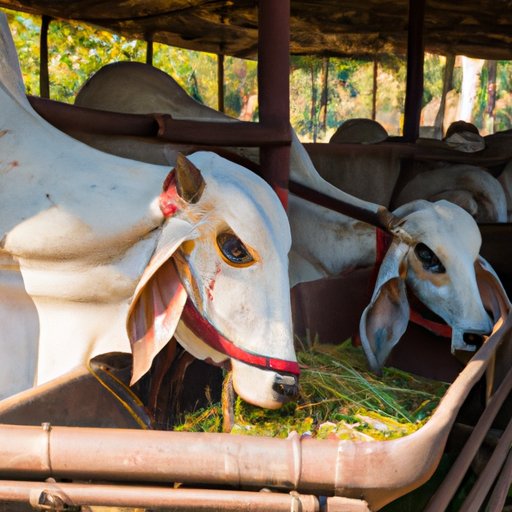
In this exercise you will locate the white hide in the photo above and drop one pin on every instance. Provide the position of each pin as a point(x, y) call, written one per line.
point(505, 178)
point(82, 225)
point(146, 89)
point(469, 186)
point(326, 243)
point(454, 238)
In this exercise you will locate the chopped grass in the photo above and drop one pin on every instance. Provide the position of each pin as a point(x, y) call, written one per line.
point(339, 398)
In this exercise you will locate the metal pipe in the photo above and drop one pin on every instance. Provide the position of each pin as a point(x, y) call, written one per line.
point(415, 57)
point(44, 78)
point(347, 468)
point(149, 50)
point(220, 82)
point(200, 500)
point(274, 89)
point(69, 117)
point(501, 489)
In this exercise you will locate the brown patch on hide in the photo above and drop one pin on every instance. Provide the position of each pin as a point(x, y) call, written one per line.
point(211, 284)
point(393, 292)
point(187, 247)
point(3, 132)
point(9, 166)
point(180, 258)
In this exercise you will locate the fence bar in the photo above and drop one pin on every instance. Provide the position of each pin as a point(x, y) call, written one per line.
point(447, 489)
point(274, 88)
point(415, 56)
point(44, 78)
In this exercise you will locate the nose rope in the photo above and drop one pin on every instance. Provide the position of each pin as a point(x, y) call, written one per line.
point(209, 334)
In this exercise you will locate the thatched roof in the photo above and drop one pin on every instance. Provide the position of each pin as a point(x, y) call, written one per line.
point(364, 28)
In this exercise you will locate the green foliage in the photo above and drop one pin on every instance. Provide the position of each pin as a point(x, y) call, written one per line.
point(25, 30)
point(433, 77)
point(76, 51)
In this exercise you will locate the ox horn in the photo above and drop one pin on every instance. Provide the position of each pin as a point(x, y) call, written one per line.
point(189, 181)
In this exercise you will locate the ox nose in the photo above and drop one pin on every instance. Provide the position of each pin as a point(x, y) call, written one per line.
point(286, 386)
point(473, 338)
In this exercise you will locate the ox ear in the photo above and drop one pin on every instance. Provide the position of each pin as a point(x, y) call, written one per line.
point(385, 319)
point(494, 297)
point(158, 300)
point(189, 181)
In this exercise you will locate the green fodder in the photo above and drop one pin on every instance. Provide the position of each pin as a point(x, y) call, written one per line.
point(339, 398)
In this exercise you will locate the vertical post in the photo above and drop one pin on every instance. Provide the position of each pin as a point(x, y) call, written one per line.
point(220, 82)
point(313, 122)
point(374, 88)
point(415, 56)
point(490, 110)
point(324, 99)
point(44, 78)
point(274, 88)
point(149, 51)
point(447, 85)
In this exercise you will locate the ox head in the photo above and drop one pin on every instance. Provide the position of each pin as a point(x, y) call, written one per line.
point(435, 254)
point(218, 280)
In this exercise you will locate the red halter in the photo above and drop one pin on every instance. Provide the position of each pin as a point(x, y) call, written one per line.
point(207, 333)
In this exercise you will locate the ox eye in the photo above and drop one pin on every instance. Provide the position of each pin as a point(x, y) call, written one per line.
point(233, 249)
point(428, 259)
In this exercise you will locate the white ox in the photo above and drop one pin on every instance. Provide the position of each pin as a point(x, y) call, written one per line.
point(98, 259)
point(469, 186)
point(435, 249)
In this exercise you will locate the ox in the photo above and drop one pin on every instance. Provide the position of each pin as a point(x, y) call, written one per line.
point(435, 246)
point(471, 187)
point(99, 259)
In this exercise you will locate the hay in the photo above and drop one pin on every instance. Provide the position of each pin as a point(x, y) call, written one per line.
point(339, 398)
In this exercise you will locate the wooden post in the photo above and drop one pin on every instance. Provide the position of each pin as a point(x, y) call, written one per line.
point(324, 98)
point(274, 88)
point(374, 89)
point(492, 67)
point(149, 51)
point(313, 124)
point(44, 78)
point(220, 83)
point(415, 56)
